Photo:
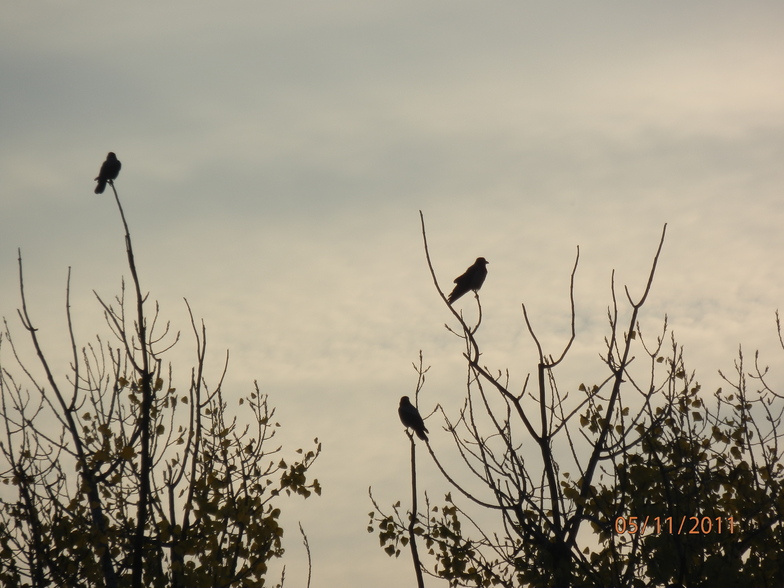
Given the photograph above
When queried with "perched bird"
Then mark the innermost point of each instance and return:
(109, 172)
(410, 417)
(472, 279)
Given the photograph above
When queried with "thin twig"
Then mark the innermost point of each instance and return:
(307, 550)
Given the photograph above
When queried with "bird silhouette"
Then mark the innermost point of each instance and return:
(472, 279)
(411, 418)
(109, 172)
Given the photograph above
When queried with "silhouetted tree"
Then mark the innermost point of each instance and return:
(112, 476)
(641, 479)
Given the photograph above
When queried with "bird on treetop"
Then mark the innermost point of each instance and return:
(109, 172)
(472, 279)
(411, 418)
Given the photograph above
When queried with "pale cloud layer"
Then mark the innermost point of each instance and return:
(276, 155)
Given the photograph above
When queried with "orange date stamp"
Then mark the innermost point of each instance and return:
(686, 525)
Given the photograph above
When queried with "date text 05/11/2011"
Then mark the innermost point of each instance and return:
(693, 525)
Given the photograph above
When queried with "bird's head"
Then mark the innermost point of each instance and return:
(481, 261)
(404, 401)
(111, 155)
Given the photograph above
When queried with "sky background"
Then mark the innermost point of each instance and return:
(275, 157)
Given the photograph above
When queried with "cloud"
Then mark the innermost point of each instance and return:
(275, 158)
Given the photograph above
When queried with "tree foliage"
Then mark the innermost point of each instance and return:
(640, 479)
(121, 473)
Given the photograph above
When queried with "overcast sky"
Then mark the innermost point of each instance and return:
(275, 157)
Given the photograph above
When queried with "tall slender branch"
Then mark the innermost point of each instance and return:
(413, 521)
(145, 416)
